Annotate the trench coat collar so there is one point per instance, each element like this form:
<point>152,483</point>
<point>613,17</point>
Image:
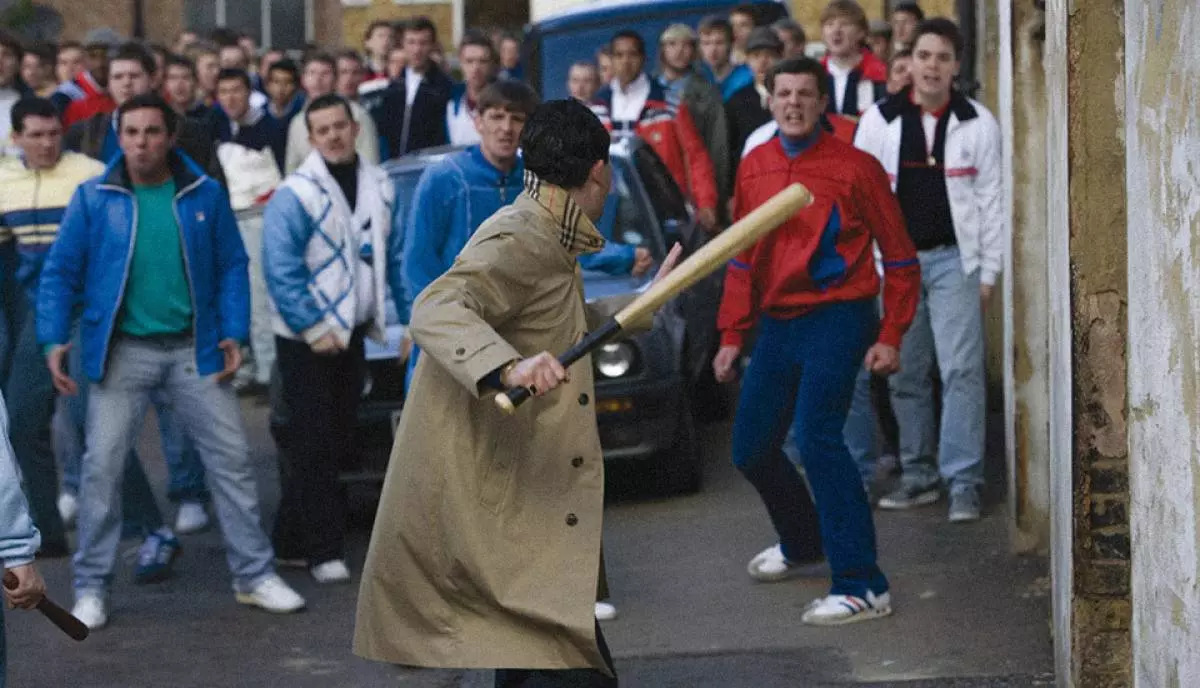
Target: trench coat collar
<point>576,232</point>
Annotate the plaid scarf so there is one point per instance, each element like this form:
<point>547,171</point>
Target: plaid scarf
<point>576,232</point>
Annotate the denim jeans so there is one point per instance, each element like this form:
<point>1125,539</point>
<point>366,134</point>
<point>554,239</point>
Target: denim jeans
<point>30,394</point>
<point>262,336</point>
<point>209,412</point>
<point>803,372</point>
<point>3,651</point>
<point>949,326</point>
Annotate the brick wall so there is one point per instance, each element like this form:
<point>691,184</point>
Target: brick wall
<point>356,19</point>
<point>163,18</point>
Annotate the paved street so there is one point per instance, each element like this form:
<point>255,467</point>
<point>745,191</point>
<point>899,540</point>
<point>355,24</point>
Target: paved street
<point>967,613</point>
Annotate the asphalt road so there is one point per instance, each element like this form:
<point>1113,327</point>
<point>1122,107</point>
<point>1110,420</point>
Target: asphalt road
<point>967,613</point>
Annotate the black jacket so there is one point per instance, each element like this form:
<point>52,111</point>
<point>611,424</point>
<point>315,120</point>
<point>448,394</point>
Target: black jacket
<point>196,140</point>
<point>745,113</point>
<point>427,123</point>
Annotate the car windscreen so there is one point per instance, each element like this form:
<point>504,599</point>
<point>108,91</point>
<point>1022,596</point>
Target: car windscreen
<point>670,206</point>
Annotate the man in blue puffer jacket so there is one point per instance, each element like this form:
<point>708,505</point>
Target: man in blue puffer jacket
<point>456,195</point>
<point>151,252</point>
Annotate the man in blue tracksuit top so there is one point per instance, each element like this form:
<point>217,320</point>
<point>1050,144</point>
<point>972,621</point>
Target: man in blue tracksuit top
<point>456,195</point>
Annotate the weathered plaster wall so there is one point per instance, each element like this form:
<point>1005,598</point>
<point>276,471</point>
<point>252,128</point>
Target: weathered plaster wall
<point>1163,143</point>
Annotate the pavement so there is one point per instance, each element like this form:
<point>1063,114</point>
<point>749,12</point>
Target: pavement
<point>967,613</point>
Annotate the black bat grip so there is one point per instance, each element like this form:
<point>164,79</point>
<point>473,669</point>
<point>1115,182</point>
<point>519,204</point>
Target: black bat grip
<point>514,397</point>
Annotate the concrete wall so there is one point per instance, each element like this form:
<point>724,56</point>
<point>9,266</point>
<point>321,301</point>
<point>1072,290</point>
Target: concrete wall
<point>1163,143</point>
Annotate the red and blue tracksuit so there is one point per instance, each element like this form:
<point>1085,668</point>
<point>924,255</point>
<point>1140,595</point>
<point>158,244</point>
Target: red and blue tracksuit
<point>811,287</point>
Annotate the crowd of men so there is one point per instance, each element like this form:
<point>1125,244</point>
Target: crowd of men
<point>180,224</point>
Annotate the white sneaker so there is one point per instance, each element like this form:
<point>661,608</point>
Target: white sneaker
<point>333,571</point>
<point>605,611</point>
<point>192,518</point>
<point>770,565</point>
<point>273,595</point>
<point>68,509</point>
<point>835,610</point>
<point>90,609</point>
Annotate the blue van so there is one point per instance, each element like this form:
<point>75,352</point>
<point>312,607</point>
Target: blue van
<point>553,44</point>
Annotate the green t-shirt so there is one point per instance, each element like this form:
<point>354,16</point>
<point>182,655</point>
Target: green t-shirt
<point>158,300</point>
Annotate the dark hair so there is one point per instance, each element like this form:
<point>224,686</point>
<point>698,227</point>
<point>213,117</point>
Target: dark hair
<point>479,40</point>
<point>940,26</point>
<point>134,52</point>
<point>235,74</point>
<point>285,65</point>
<point>588,64</point>
<point>31,106</point>
<point>322,57</point>
<point>421,23</point>
<point>604,51</point>
<point>377,24</point>
<point>631,35</point>
<point>12,42</point>
<point>349,54</point>
<point>562,141</point>
<point>790,26</point>
<point>510,95</point>
<point>910,8</point>
<point>899,55</point>
<point>799,65</point>
<point>223,37</point>
<point>748,10</point>
<point>158,49</point>
<point>325,102</point>
<point>70,45</point>
<point>509,36</point>
<point>715,22</point>
<point>150,101</point>
<point>174,60</point>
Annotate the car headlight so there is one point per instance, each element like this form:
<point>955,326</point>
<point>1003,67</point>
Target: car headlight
<point>614,360</point>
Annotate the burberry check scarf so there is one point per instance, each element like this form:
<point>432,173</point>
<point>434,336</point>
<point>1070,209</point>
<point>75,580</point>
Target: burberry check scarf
<point>576,232</point>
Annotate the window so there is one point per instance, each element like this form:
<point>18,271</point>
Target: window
<point>284,24</point>
<point>668,201</point>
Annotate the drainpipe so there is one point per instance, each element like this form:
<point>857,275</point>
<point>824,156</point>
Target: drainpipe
<point>139,20</point>
<point>968,23</point>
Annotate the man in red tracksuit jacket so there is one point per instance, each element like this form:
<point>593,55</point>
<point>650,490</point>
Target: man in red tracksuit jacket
<point>811,285</point>
<point>635,103</point>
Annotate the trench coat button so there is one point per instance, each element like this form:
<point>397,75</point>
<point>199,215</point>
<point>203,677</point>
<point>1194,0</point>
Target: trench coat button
<point>577,461</point>
<point>459,351</point>
<point>583,400</point>
<point>571,519</point>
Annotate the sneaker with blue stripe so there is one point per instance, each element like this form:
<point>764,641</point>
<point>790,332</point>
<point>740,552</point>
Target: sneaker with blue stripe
<point>835,610</point>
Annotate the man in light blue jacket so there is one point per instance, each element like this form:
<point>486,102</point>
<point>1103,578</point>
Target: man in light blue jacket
<point>151,252</point>
<point>19,539</point>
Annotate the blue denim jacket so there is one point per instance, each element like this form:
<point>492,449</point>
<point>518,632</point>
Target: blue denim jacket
<point>89,265</point>
<point>19,539</point>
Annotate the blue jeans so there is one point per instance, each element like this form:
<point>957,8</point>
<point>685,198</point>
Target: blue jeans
<point>949,326</point>
<point>803,371</point>
<point>30,394</point>
<point>3,651</point>
<point>208,412</point>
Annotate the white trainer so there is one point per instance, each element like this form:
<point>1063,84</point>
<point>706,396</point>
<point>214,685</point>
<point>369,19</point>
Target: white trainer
<point>192,518</point>
<point>90,609</point>
<point>835,610</point>
<point>334,571</point>
<point>605,611</point>
<point>273,595</point>
<point>769,566</point>
<point>68,509</point>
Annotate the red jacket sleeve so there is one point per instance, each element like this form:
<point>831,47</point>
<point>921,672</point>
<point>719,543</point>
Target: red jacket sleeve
<point>702,182</point>
<point>739,303</point>
<point>901,271</point>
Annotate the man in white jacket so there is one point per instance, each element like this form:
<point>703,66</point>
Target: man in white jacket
<point>332,250</point>
<point>941,151</point>
<point>318,79</point>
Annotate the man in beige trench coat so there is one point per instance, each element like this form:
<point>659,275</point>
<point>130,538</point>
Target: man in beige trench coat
<point>486,547</point>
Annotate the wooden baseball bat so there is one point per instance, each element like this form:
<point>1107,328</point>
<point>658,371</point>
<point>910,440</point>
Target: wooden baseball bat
<point>723,247</point>
<point>57,615</point>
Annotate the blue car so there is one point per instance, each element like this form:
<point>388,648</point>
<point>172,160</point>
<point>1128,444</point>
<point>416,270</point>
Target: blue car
<point>646,386</point>
<point>553,44</point>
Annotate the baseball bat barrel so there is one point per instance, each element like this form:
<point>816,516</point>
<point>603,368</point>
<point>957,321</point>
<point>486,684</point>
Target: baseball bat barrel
<point>719,250</point>
<point>57,615</point>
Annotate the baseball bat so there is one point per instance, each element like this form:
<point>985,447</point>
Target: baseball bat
<point>723,247</point>
<point>57,615</point>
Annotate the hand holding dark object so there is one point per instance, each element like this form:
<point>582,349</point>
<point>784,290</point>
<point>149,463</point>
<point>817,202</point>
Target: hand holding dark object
<point>233,358</point>
<point>882,359</point>
<point>31,591</point>
<point>539,374</point>
<point>56,361</point>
